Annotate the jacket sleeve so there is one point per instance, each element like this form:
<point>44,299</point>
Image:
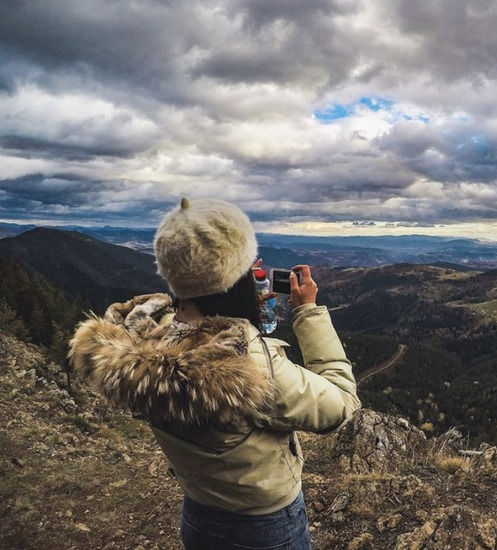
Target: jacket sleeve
<point>321,395</point>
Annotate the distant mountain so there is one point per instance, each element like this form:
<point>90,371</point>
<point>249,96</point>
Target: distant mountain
<point>136,238</point>
<point>450,287</point>
<point>450,265</point>
<point>386,250</point>
<point>288,250</point>
<point>99,272</point>
<point>13,229</point>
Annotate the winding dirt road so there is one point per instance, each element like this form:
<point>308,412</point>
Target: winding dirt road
<point>390,363</point>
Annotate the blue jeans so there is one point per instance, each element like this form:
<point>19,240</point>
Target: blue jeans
<point>203,528</point>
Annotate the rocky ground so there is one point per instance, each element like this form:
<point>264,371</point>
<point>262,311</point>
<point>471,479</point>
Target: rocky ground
<point>77,475</point>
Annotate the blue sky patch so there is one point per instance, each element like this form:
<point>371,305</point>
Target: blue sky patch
<point>338,110</point>
<point>377,103</point>
<point>333,113</point>
<point>374,103</point>
<point>422,118</point>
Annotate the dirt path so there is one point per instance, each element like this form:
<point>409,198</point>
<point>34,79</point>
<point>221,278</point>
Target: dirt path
<point>390,363</point>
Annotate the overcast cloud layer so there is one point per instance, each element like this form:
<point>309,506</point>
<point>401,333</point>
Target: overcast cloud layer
<point>315,111</point>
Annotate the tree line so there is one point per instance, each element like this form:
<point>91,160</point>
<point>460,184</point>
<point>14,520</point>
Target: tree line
<point>37,312</point>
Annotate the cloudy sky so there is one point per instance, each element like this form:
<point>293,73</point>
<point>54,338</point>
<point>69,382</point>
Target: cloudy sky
<point>307,114</point>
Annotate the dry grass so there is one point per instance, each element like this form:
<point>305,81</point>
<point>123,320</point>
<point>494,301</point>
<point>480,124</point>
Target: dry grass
<point>490,308</point>
<point>451,464</point>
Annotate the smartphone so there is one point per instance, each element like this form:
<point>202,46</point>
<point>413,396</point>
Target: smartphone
<point>280,280</point>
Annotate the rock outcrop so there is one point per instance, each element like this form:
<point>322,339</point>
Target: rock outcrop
<point>374,442</point>
<point>457,527</point>
<point>378,483</point>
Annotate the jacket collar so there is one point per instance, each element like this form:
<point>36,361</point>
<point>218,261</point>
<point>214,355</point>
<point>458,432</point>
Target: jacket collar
<point>194,375</point>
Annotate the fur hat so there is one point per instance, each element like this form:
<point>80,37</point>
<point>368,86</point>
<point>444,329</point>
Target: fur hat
<point>203,247</point>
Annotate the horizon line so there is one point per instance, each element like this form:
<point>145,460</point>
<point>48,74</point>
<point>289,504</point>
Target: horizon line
<point>344,229</point>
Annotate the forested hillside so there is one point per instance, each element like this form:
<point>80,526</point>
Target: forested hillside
<point>447,321</point>
<point>49,279</point>
<point>97,272</point>
<point>34,310</point>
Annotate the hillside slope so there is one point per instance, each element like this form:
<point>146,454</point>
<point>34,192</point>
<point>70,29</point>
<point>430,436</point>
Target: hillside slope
<point>448,321</point>
<point>99,272</point>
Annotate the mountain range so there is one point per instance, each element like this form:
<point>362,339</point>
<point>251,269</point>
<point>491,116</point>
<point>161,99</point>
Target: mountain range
<point>288,250</point>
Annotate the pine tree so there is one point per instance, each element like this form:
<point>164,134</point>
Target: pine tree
<point>10,322</point>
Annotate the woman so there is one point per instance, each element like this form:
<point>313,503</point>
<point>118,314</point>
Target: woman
<point>222,401</point>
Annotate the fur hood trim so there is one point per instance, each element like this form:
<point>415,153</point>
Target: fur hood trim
<point>202,375</point>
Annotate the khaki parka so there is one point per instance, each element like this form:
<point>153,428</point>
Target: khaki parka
<point>223,401</point>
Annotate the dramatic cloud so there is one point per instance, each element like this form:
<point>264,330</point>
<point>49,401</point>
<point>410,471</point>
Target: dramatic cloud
<point>300,112</point>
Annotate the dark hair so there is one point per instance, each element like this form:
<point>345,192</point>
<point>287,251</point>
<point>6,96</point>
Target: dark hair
<point>241,300</point>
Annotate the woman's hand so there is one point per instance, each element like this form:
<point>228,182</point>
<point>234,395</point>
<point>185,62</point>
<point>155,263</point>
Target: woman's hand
<point>306,291</point>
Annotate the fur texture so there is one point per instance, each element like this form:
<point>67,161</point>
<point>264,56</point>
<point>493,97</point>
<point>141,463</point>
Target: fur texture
<point>200,375</point>
<point>204,247</point>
